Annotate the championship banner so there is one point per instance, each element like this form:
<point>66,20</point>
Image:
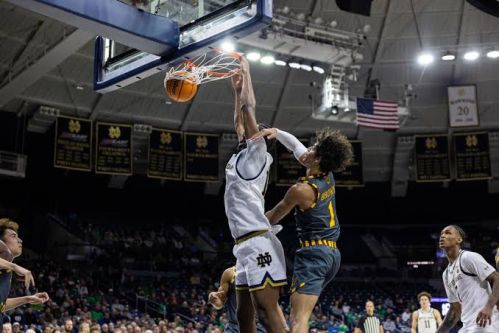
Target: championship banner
<point>432,158</point>
<point>113,149</point>
<point>472,158</point>
<point>463,109</point>
<point>201,157</point>
<point>353,175</point>
<point>165,154</point>
<point>73,144</point>
<point>288,169</point>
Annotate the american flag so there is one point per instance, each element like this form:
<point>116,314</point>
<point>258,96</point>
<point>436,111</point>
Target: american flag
<point>377,114</point>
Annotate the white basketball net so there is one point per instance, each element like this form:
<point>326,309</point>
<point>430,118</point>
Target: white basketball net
<point>210,66</point>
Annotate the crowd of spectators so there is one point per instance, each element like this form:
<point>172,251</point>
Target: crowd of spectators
<point>80,303</point>
<point>109,292</point>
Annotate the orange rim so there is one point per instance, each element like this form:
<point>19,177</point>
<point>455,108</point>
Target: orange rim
<point>235,55</point>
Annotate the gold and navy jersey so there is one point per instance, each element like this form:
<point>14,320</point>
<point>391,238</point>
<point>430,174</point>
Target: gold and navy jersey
<point>5,279</point>
<point>497,258</point>
<point>320,220</point>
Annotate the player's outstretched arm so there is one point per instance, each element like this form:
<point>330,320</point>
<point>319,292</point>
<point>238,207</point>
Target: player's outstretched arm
<point>39,298</point>
<point>451,318</point>
<point>287,139</point>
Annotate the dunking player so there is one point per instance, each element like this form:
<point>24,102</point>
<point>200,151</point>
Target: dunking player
<point>313,197</point>
<point>11,247</point>
<point>425,319</point>
<point>225,296</point>
<point>260,265</point>
<point>466,280</point>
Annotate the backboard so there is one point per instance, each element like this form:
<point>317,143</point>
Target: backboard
<point>201,25</point>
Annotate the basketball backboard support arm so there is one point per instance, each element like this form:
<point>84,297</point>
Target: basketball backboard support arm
<point>239,18</point>
<point>151,33</point>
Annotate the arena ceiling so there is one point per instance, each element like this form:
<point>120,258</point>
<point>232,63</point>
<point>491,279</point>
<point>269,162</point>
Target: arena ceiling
<point>46,62</point>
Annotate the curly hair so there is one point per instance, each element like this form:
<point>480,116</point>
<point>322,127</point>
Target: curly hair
<point>334,149</point>
<point>5,224</point>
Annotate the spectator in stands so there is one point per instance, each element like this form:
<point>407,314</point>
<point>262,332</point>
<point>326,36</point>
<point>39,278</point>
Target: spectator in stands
<point>69,327</point>
<point>389,326</point>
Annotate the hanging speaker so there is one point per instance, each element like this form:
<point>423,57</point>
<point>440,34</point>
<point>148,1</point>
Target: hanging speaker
<point>489,6</point>
<point>362,7</point>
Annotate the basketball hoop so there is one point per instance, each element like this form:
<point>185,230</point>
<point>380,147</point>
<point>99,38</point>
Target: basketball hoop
<point>213,65</point>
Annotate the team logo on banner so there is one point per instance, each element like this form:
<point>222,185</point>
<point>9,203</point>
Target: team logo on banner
<point>431,143</point>
<point>74,126</point>
<point>114,149</point>
<point>73,144</point>
<point>471,141</point>
<point>165,154</point>
<point>201,159</point>
<point>165,138</point>
<point>114,132</point>
<point>202,142</point>
<point>463,109</point>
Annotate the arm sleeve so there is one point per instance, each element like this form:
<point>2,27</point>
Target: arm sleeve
<point>292,143</point>
<point>451,295</point>
<point>252,159</point>
<point>474,263</point>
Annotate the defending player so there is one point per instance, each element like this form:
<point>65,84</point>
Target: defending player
<point>313,198</point>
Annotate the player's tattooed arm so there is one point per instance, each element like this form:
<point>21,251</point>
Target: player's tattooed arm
<point>451,318</point>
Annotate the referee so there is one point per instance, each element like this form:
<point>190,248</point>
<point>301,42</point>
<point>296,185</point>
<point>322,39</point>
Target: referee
<point>369,323</point>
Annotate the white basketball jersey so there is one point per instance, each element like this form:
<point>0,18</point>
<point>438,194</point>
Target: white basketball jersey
<point>426,321</point>
<point>244,198</point>
<point>465,282</point>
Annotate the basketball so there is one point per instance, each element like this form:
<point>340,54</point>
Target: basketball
<point>180,90</point>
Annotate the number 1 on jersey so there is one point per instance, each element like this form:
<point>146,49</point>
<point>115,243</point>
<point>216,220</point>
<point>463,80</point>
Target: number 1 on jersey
<point>332,221</point>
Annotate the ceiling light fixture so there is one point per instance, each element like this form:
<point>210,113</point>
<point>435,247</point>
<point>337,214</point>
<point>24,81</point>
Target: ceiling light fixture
<point>280,63</point>
<point>448,56</point>
<point>267,60</point>
<point>493,54</point>
<point>253,56</point>
<point>318,69</point>
<point>471,55</point>
<point>228,46</point>
<point>425,59</point>
<point>306,67</point>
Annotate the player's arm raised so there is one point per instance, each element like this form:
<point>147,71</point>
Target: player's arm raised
<point>301,195</point>
<point>451,318</point>
<point>248,101</point>
<point>288,140</point>
<point>237,82</point>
